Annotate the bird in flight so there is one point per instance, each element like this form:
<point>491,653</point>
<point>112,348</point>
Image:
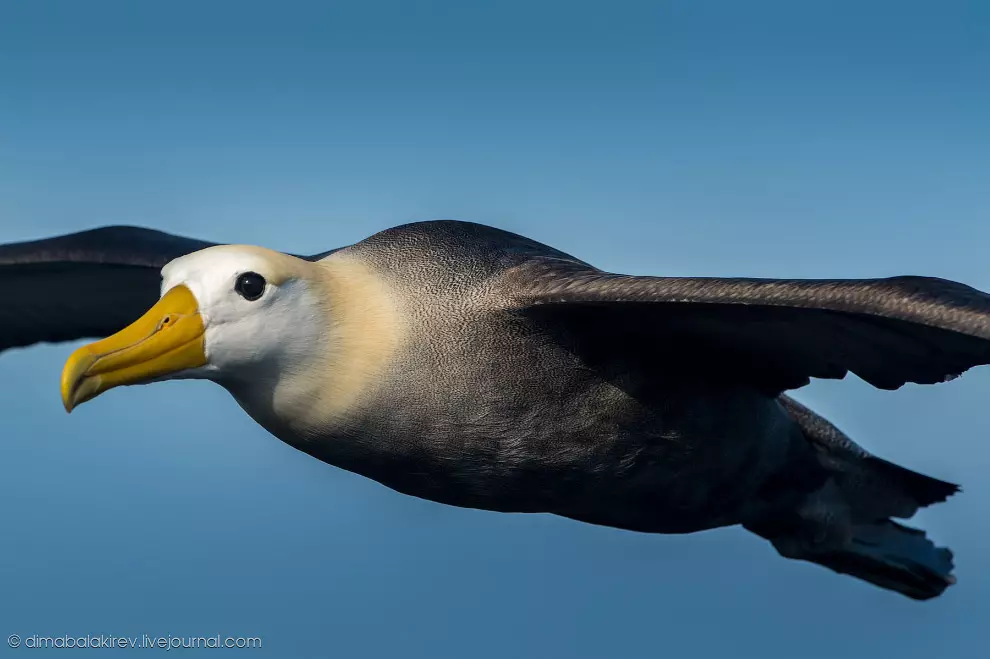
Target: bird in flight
<point>474,367</point>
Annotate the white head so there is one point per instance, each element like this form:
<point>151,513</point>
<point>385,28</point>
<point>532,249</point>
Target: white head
<point>264,313</point>
<point>289,338</point>
<point>229,313</point>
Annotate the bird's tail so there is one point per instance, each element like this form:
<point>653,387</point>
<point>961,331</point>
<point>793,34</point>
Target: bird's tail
<point>874,488</point>
<point>843,519</point>
<point>892,556</point>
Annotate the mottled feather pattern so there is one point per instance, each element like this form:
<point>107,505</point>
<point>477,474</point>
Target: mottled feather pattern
<point>476,367</point>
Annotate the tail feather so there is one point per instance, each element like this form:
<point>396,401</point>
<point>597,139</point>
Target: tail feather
<point>892,556</point>
<point>925,490</point>
<point>838,514</point>
<point>875,488</point>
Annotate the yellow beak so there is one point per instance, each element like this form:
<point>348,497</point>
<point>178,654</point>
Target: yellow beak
<point>167,339</point>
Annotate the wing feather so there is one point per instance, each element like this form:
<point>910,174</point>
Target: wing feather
<point>82,285</point>
<point>777,333</point>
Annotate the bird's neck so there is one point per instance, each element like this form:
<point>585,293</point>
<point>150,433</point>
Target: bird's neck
<point>349,360</point>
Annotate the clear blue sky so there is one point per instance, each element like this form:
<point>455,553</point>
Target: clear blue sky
<point>790,139</point>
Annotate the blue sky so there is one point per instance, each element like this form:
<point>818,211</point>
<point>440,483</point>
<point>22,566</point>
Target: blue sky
<point>812,139</point>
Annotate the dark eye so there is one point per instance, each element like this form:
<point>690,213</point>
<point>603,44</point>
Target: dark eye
<point>250,285</point>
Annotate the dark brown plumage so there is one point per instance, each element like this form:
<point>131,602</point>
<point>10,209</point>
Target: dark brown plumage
<point>83,285</point>
<point>544,384</point>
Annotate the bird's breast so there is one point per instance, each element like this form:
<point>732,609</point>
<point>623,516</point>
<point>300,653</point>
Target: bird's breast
<point>507,421</point>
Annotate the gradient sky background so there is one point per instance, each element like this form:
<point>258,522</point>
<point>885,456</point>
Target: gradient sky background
<point>779,139</point>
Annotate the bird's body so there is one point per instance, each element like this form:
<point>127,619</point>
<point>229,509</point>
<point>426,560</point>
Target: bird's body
<point>474,367</point>
<point>649,453</point>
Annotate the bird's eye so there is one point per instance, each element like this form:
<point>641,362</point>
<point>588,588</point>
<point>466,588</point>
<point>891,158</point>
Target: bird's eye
<point>250,285</point>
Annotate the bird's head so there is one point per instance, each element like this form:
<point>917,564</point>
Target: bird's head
<point>227,313</point>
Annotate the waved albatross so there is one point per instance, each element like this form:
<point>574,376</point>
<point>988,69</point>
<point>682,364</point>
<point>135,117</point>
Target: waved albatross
<point>474,367</point>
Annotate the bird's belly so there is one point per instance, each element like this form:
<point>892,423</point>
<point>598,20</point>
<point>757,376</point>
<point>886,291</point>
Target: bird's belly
<point>512,422</point>
<point>689,464</point>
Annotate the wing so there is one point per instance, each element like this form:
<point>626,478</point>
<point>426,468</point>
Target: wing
<point>775,334</point>
<point>82,285</point>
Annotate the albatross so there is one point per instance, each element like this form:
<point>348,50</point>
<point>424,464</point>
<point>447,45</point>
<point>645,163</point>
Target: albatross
<point>474,367</point>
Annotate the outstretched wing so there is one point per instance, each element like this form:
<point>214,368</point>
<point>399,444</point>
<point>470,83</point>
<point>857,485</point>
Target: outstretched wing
<point>775,334</point>
<point>82,285</point>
